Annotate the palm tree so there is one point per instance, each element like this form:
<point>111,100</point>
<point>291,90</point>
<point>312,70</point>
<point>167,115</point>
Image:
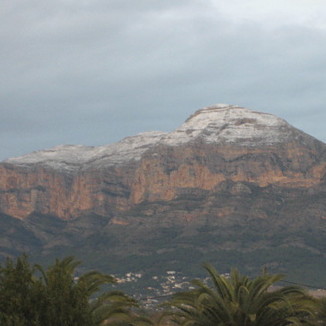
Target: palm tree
<point>34,296</point>
<point>240,301</point>
<point>77,299</point>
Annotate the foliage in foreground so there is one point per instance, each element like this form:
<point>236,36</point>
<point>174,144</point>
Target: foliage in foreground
<point>32,296</point>
<point>238,300</point>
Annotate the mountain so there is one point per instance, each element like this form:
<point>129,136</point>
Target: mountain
<point>230,185</point>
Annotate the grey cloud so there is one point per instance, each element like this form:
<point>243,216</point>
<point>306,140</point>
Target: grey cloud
<point>94,72</point>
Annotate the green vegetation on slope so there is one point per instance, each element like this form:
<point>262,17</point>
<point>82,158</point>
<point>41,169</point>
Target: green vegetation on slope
<point>60,296</point>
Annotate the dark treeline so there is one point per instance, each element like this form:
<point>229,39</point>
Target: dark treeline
<point>33,296</point>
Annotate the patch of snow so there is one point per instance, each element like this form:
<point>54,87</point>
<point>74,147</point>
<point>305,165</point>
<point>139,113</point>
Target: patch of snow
<point>221,123</point>
<point>73,157</point>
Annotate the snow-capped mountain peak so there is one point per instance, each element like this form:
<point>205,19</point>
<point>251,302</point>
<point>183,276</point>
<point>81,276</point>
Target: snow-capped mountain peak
<point>220,123</point>
<point>231,124</point>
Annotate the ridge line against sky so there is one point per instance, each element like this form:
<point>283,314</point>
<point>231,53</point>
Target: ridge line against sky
<point>93,72</point>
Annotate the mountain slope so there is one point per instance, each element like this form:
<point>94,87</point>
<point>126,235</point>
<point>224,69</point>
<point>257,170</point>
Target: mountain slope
<point>229,185</point>
<point>214,145</point>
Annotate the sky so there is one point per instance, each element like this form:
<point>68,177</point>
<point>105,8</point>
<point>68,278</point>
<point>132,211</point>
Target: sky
<point>92,72</point>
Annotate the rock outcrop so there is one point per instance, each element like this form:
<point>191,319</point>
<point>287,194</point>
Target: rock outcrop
<point>215,145</point>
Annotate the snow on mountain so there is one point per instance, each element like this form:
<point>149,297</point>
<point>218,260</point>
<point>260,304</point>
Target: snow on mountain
<point>231,124</point>
<point>72,157</point>
<point>221,123</point>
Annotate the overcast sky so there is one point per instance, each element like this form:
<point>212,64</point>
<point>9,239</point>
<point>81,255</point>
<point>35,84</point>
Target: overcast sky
<point>92,72</point>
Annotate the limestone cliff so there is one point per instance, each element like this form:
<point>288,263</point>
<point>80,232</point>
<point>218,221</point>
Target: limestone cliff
<point>215,145</point>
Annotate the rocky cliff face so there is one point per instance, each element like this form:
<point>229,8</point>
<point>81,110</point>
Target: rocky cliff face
<point>231,186</point>
<point>215,145</point>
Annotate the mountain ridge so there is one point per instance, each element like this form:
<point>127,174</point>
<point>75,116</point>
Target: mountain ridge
<point>212,124</point>
<point>216,144</point>
<point>231,185</point>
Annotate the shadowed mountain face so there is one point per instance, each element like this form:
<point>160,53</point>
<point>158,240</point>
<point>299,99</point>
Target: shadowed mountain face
<point>230,185</point>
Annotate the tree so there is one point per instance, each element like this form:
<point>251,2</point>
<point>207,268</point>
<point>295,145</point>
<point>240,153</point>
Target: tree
<point>321,311</point>
<point>238,300</point>
<point>33,296</point>
<point>65,299</point>
<point>19,294</point>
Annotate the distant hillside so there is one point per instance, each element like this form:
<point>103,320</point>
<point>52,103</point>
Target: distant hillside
<point>231,186</point>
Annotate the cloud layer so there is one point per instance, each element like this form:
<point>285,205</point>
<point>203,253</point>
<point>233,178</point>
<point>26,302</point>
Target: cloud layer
<point>93,72</point>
